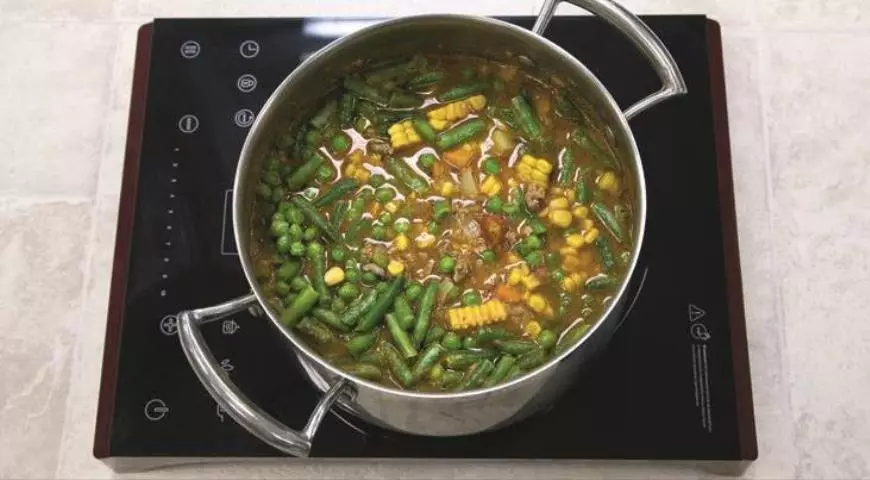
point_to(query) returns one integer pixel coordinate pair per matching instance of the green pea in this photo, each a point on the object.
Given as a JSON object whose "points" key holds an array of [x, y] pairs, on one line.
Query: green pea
{"points": [[471, 297], [401, 225], [447, 264], [271, 177], [337, 254], [386, 218], [280, 228], [385, 194], [272, 162], [325, 173], [469, 342], [294, 215], [348, 291], [488, 256], [338, 305], [283, 207], [297, 249], [440, 209], [414, 291], [379, 232], [312, 137], [432, 228], [369, 278], [263, 191], [510, 209], [494, 205], [351, 274], [427, 161], [282, 288], [340, 142], [451, 341], [535, 259], [298, 284], [547, 339], [533, 242], [315, 249], [558, 275], [436, 373], [380, 258], [377, 180], [309, 234], [277, 194], [382, 287], [283, 244], [491, 166]]}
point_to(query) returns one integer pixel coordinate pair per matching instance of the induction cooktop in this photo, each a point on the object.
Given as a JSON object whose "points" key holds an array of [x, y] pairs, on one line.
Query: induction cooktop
{"points": [[672, 384]]}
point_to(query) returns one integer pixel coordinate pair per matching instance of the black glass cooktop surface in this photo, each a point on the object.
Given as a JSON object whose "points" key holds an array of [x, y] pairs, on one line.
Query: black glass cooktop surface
{"points": [[672, 384]]}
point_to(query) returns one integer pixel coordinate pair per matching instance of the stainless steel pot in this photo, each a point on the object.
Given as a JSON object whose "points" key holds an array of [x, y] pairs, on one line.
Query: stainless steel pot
{"points": [[414, 412]]}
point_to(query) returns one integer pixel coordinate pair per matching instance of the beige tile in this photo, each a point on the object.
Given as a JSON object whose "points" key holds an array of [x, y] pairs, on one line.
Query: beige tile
{"points": [[817, 116], [117, 115], [731, 13], [43, 247], [53, 88], [55, 9], [761, 297], [815, 14], [75, 457]]}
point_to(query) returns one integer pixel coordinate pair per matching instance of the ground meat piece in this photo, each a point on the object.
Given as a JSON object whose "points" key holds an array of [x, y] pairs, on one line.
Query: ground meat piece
{"points": [[519, 313], [510, 239], [462, 269], [377, 145], [535, 197], [493, 229], [426, 269]]}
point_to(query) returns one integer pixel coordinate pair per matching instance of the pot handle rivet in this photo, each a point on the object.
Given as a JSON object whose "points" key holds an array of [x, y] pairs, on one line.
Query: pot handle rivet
{"points": [[640, 35], [232, 400]]}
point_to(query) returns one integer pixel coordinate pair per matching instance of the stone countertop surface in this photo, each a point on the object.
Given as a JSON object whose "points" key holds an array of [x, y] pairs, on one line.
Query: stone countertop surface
{"points": [[798, 101]]}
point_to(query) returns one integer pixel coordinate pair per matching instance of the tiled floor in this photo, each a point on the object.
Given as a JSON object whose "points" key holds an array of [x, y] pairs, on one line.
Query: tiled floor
{"points": [[797, 82]]}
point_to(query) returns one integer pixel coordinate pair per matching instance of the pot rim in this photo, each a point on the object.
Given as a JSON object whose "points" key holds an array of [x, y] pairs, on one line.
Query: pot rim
{"points": [[245, 158]]}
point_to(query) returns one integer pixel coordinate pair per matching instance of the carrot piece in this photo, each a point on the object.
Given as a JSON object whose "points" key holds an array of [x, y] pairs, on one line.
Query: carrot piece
{"points": [[509, 294]]}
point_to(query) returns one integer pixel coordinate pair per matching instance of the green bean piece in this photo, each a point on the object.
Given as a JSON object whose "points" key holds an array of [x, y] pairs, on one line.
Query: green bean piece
{"points": [[581, 191], [470, 298], [502, 367], [316, 330], [313, 216], [361, 343], [450, 379], [433, 335], [469, 342], [567, 169], [346, 109], [425, 80], [403, 312], [451, 341], [570, 338], [608, 218], [427, 161], [336, 192], [305, 173], [516, 347], [526, 118], [400, 337], [503, 114], [272, 178], [338, 305], [390, 72], [282, 287], [397, 364], [514, 372], [300, 306], [404, 100], [435, 373], [424, 129], [364, 90], [601, 282], [406, 175], [462, 91], [318, 263], [321, 118], [475, 375], [376, 313], [426, 361], [462, 359], [313, 137], [547, 339], [298, 284], [532, 359], [330, 318], [358, 307], [363, 370], [608, 263], [460, 133], [424, 312], [372, 357], [355, 212]]}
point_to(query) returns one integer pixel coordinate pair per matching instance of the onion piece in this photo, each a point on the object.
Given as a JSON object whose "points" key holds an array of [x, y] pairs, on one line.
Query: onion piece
{"points": [[468, 184]]}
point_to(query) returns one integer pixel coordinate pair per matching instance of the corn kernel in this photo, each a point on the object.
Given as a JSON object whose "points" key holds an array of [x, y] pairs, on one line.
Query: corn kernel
{"points": [[580, 212], [567, 251], [524, 269], [447, 188], [588, 224], [515, 277], [438, 123], [477, 102], [425, 240], [570, 195], [608, 182], [569, 284], [531, 282], [559, 203], [401, 242], [537, 303], [557, 191], [543, 166], [391, 207], [491, 186], [539, 176], [560, 218], [395, 268], [333, 276], [591, 235], [532, 329], [571, 263], [585, 258], [574, 240]]}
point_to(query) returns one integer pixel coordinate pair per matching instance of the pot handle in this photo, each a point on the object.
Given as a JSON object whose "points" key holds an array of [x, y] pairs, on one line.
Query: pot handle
{"points": [[640, 35], [231, 399]]}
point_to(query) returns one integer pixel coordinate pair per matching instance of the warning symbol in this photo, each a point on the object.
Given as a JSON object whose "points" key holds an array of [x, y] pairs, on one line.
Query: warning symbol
{"points": [[695, 313]]}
